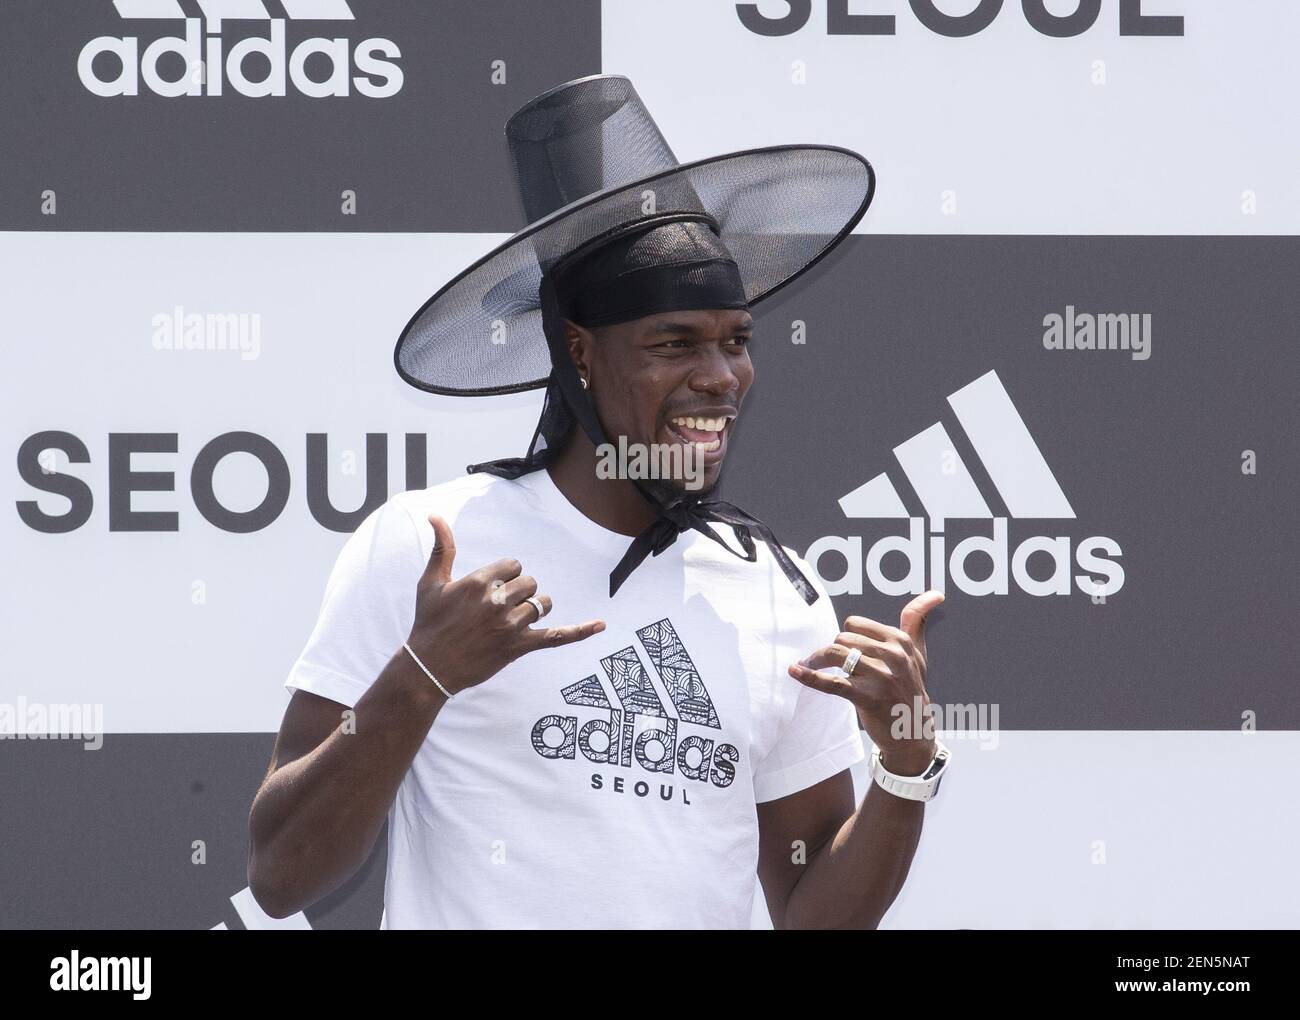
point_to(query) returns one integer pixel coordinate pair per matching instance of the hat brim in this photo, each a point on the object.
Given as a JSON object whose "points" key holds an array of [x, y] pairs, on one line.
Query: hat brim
{"points": [[779, 211]]}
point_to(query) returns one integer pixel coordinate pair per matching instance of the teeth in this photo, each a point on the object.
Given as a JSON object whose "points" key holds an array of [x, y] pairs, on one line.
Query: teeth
{"points": [[703, 424]]}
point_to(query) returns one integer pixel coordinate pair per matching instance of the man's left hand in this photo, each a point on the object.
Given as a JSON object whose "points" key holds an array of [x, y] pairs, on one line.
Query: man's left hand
{"points": [[888, 679]]}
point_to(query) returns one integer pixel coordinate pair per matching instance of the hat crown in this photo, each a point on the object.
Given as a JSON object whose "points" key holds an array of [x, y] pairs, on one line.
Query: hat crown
{"points": [[580, 138]]}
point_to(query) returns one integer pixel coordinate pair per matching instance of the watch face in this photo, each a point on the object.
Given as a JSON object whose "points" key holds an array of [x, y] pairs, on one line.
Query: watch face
{"points": [[936, 766]]}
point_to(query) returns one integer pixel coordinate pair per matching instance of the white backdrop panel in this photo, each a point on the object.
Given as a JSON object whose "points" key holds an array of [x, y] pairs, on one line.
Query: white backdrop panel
{"points": [[99, 617], [1006, 131]]}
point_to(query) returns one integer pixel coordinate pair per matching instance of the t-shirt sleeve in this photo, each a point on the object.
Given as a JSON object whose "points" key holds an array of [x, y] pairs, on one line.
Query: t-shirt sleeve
{"points": [[822, 737], [821, 740], [368, 608]]}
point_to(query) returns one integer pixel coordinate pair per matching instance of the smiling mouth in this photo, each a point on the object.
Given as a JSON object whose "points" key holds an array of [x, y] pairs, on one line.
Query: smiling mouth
{"points": [[706, 433]]}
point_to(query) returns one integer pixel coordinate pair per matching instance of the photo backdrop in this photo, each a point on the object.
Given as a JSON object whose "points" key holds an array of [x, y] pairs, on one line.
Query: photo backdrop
{"points": [[1053, 372]]}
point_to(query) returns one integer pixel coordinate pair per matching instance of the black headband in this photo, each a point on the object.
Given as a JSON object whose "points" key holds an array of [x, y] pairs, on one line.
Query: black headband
{"points": [[667, 268]]}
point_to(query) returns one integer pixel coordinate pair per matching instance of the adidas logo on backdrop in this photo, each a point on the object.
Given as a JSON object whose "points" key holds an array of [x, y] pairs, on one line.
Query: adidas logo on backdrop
{"points": [[213, 63], [946, 490]]}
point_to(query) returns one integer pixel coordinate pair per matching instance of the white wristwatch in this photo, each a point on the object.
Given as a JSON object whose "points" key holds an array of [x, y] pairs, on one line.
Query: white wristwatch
{"points": [[922, 787]]}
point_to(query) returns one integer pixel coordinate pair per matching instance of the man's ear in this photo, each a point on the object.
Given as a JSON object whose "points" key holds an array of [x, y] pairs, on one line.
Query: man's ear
{"points": [[579, 341]]}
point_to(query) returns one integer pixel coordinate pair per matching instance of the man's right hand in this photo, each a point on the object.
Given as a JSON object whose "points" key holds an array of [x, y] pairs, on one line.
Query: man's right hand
{"points": [[467, 630]]}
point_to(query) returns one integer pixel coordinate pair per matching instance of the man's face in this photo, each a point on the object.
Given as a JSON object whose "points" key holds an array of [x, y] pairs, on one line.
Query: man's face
{"points": [[671, 378]]}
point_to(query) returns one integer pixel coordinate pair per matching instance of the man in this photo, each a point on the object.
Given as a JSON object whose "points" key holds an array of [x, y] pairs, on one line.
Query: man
{"points": [[689, 719]]}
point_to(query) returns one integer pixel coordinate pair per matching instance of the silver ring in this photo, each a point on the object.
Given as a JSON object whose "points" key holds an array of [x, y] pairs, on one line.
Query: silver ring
{"points": [[536, 604], [851, 661]]}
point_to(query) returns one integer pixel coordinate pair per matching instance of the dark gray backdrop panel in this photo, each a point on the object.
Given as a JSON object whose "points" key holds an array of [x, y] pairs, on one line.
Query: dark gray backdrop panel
{"points": [[1147, 452], [431, 157], [103, 839]]}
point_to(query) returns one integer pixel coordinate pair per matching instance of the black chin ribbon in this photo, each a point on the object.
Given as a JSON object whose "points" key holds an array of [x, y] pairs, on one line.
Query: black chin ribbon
{"points": [[696, 514]]}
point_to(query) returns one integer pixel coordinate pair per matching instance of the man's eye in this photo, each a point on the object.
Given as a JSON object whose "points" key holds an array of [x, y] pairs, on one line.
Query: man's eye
{"points": [[741, 340], [669, 343]]}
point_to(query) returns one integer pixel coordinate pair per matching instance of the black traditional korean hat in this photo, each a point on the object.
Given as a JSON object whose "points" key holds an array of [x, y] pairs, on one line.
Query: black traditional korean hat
{"points": [[594, 171]]}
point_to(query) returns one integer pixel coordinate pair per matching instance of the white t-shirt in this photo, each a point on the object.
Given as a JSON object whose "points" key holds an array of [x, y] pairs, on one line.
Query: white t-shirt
{"points": [[609, 783]]}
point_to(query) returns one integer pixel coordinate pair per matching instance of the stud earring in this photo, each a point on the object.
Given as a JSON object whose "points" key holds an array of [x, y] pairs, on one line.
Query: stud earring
{"points": [[584, 382]]}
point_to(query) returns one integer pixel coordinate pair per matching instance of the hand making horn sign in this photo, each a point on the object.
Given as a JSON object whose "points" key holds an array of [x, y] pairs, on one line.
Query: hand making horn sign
{"points": [[467, 630]]}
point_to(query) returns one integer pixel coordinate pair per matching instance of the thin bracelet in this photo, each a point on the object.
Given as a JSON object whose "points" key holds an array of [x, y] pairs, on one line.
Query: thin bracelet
{"points": [[426, 670]]}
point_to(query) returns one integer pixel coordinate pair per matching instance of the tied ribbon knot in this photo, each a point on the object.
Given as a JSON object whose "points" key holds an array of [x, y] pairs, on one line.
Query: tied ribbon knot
{"points": [[687, 514]]}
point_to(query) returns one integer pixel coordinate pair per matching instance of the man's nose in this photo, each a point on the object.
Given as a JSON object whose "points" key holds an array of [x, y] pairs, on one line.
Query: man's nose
{"points": [[715, 374]]}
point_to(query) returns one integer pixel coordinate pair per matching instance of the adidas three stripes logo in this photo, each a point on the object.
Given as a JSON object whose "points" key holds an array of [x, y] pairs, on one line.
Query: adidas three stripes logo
{"points": [[941, 479], [215, 11]]}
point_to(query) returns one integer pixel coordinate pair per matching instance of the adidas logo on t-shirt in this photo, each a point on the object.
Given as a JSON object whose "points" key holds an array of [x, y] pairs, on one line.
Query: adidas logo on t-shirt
{"points": [[613, 738]]}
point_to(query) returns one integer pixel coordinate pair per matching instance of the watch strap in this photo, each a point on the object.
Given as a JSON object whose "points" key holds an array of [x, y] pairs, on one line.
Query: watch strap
{"points": [[920, 788]]}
